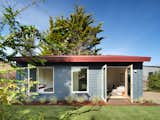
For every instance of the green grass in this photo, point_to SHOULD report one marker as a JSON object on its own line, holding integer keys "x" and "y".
{"x": 121, "y": 113}
{"x": 25, "y": 112}
{"x": 84, "y": 113}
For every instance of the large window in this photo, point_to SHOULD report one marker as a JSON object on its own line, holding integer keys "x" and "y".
{"x": 45, "y": 79}
{"x": 79, "y": 79}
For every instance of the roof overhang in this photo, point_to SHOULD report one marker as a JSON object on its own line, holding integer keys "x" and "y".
{"x": 85, "y": 58}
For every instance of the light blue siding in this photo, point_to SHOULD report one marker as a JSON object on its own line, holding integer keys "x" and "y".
{"x": 62, "y": 81}
{"x": 137, "y": 84}
{"x": 95, "y": 79}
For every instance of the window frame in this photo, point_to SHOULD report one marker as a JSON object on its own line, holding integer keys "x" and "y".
{"x": 72, "y": 68}
{"x": 37, "y": 76}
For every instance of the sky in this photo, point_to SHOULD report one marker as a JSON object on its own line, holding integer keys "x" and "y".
{"x": 131, "y": 27}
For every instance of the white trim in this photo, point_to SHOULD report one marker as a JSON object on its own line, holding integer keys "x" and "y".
{"x": 104, "y": 82}
{"x": 37, "y": 76}
{"x": 126, "y": 82}
{"x": 131, "y": 78}
{"x": 87, "y": 79}
{"x": 131, "y": 85}
{"x": 28, "y": 80}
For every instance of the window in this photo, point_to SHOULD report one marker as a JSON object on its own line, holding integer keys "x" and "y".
{"x": 33, "y": 87}
{"x": 79, "y": 79}
{"x": 45, "y": 79}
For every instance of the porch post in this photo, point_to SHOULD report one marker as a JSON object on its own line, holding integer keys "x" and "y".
{"x": 126, "y": 82}
{"x": 28, "y": 80}
{"x": 131, "y": 69}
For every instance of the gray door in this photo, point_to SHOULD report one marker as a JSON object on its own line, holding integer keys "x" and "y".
{"x": 104, "y": 82}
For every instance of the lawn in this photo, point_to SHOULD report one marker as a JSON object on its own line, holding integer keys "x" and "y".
{"x": 122, "y": 113}
{"x": 28, "y": 112}
{"x": 84, "y": 113}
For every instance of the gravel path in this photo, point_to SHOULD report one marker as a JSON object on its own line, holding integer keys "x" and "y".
{"x": 153, "y": 96}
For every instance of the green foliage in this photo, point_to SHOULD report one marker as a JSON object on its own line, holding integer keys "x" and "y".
{"x": 85, "y": 113}
{"x": 10, "y": 113}
{"x": 71, "y": 115}
{"x": 22, "y": 41}
{"x": 53, "y": 43}
{"x": 29, "y": 100}
{"x": 53, "y": 100}
{"x": 32, "y": 112}
{"x": 69, "y": 99}
{"x": 73, "y": 35}
{"x": 9, "y": 92}
{"x": 95, "y": 99}
{"x": 42, "y": 100}
{"x": 80, "y": 99}
{"x": 154, "y": 81}
{"x": 13, "y": 91}
{"x": 19, "y": 39}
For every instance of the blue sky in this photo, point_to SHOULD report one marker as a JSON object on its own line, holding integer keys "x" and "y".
{"x": 131, "y": 27}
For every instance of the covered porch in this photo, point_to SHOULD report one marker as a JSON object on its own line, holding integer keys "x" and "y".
{"x": 118, "y": 82}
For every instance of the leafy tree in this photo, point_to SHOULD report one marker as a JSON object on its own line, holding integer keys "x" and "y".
{"x": 74, "y": 35}
{"x": 15, "y": 38}
{"x": 54, "y": 43}
{"x": 154, "y": 81}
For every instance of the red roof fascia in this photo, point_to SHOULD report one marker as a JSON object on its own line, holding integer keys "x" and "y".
{"x": 98, "y": 58}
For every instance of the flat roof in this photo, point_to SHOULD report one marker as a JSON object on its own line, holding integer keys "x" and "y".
{"x": 152, "y": 66}
{"x": 86, "y": 58}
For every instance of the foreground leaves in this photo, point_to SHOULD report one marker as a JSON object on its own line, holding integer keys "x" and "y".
{"x": 71, "y": 115}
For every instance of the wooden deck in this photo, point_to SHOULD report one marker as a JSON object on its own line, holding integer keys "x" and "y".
{"x": 119, "y": 101}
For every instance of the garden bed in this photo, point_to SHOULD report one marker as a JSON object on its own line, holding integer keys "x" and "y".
{"x": 88, "y": 103}
{"x": 64, "y": 103}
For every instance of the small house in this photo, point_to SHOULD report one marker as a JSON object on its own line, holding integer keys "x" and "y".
{"x": 104, "y": 76}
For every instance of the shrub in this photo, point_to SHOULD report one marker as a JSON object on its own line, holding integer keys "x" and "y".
{"x": 69, "y": 99}
{"x": 42, "y": 100}
{"x": 95, "y": 99}
{"x": 80, "y": 99}
{"x": 29, "y": 100}
{"x": 154, "y": 81}
{"x": 12, "y": 91}
{"x": 53, "y": 100}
